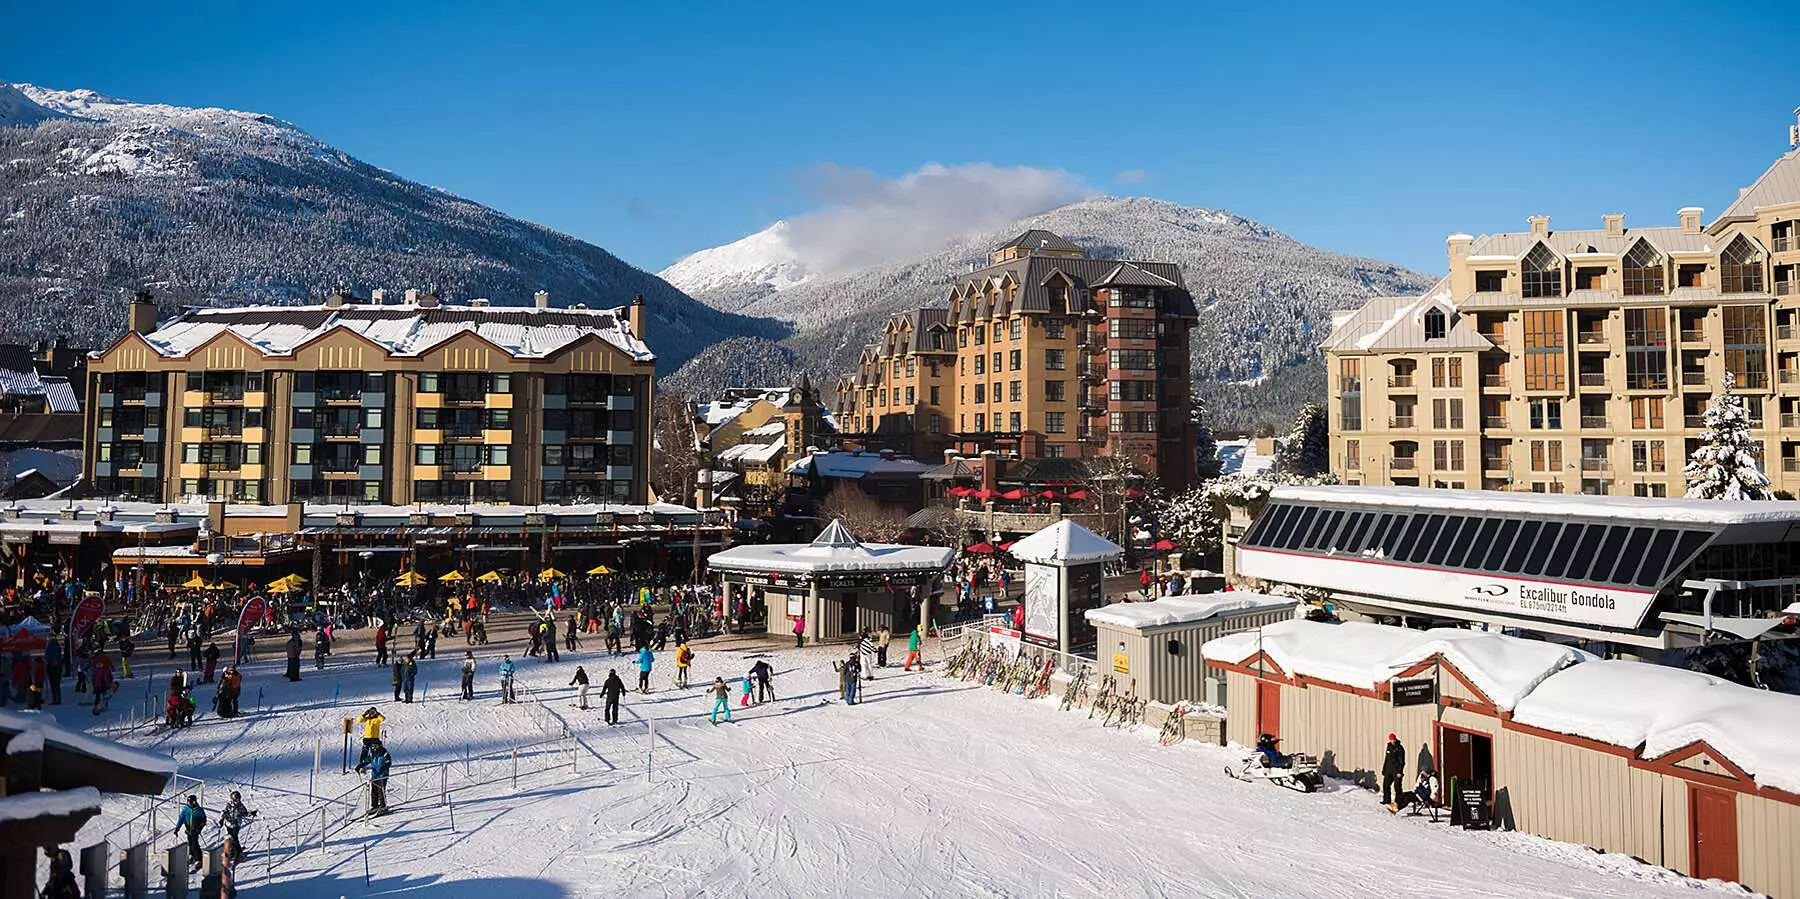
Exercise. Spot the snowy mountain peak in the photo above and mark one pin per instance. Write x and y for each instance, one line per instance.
(743, 271)
(19, 110)
(208, 121)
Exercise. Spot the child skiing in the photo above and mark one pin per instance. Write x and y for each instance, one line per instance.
(744, 700)
(721, 700)
(912, 648)
(684, 656)
(506, 678)
(581, 684)
(645, 660)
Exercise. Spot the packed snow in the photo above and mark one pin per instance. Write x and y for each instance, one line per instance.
(25, 806)
(928, 788)
(1171, 610)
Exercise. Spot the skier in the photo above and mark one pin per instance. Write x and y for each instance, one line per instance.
(191, 819)
(170, 634)
(912, 648)
(721, 695)
(293, 655)
(570, 643)
(211, 658)
(506, 678)
(549, 637)
(849, 678)
(231, 686)
(378, 764)
(468, 675)
(321, 649)
(581, 683)
(126, 647)
(408, 676)
(882, 639)
(537, 639)
(381, 644)
(645, 660)
(764, 673)
(611, 690)
(431, 638)
(744, 700)
(234, 817)
(1393, 769)
(371, 719)
(419, 638)
(865, 653)
(103, 680)
(399, 673)
(684, 656)
(193, 644)
(53, 660)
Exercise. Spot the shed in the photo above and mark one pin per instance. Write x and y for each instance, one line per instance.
(1063, 580)
(1157, 644)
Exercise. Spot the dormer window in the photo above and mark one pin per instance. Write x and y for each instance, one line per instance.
(1644, 271)
(1741, 268)
(1540, 274)
(1437, 324)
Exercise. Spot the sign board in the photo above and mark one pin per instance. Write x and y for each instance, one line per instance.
(1084, 593)
(1413, 691)
(349, 723)
(1470, 807)
(1476, 593)
(1121, 663)
(1043, 604)
(796, 606)
(86, 613)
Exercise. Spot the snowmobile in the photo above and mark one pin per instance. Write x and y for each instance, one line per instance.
(1267, 762)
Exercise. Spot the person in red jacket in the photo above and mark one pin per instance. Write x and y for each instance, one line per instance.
(103, 680)
(381, 647)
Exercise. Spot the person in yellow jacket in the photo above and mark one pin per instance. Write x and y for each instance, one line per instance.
(371, 720)
(684, 656)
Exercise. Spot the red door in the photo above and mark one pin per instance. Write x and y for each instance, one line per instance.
(1268, 708)
(1712, 830)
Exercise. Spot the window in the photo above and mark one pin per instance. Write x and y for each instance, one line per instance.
(1545, 351)
(1546, 455)
(1446, 371)
(996, 365)
(1648, 456)
(1540, 274)
(1056, 423)
(937, 423)
(373, 417)
(909, 396)
(1134, 360)
(1013, 422)
(1054, 360)
(1350, 394)
(1436, 324)
(1017, 328)
(1055, 328)
(1741, 268)
(980, 422)
(1747, 346)
(1353, 455)
(934, 396)
(1015, 391)
(1015, 360)
(429, 383)
(1546, 414)
(1132, 422)
(962, 336)
(1490, 281)
(1131, 328)
(1447, 414)
(1131, 391)
(1644, 271)
(981, 335)
(371, 454)
(980, 364)
(553, 454)
(303, 454)
(1646, 349)
(425, 454)
(980, 395)
(1646, 413)
(1056, 391)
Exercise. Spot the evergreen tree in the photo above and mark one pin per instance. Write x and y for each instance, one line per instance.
(1724, 466)
(1206, 449)
(1307, 450)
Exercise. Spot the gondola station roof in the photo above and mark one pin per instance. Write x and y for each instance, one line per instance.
(835, 550)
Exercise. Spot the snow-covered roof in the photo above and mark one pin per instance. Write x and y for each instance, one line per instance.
(853, 466)
(1662, 709)
(1241, 457)
(48, 804)
(1629, 508)
(1174, 610)
(1360, 654)
(834, 550)
(774, 428)
(404, 329)
(761, 453)
(1065, 542)
(58, 737)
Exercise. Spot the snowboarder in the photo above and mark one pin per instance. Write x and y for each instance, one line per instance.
(371, 720)
(882, 638)
(721, 695)
(684, 656)
(378, 764)
(191, 819)
(506, 678)
(1393, 768)
(293, 655)
(912, 648)
(581, 684)
(611, 690)
(645, 660)
(764, 673)
(234, 817)
(409, 675)
(468, 675)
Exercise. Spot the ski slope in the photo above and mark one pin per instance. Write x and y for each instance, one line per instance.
(928, 788)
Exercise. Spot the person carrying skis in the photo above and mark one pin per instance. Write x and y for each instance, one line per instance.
(645, 660)
(506, 678)
(912, 648)
(549, 635)
(409, 675)
(610, 691)
(468, 675)
(190, 821)
(580, 683)
(684, 656)
(721, 695)
(764, 673)
(1393, 769)
(234, 817)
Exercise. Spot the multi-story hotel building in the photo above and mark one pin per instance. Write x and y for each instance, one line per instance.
(1047, 352)
(1579, 361)
(374, 402)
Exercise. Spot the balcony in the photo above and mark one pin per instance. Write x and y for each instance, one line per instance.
(1401, 381)
(1693, 422)
(1788, 376)
(1593, 421)
(215, 465)
(1404, 463)
(340, 429)
(1790, 420)
(1400, 421)
(459, 398)
(1591, 338)
(1591, 379)
(1693, 379)
(1786, 288)
(225, 430)
(1497, 338)
(338, 466)
(228, 394)
(1493, 379)
(1784, 244)
(339, 394)
(1790, 464)
(129, 395)
(1494, 463)
(1694, 335)
(1589, 463)
(1493, 421)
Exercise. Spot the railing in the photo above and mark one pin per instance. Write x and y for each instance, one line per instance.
(222, 465)
(1404, 463)
(1693, 421)
(1493, 421)
(130, 396)
(1789, 376)
(234, 430)
(1790, 464)
(1790, 419)
(1589, 463)
(341, 429)
(1697, 335)
(225, 395)
(1400, 381)
(143, 826)
(338, 466)
(1786, 332)
(1593, 421)
(1693, 379)
(1494, 463)
(1400, 421)
(1784, 244)
(1590, 338)
(1493, 379)
(1592, 379)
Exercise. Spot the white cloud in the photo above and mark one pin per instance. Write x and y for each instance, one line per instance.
(866, 219)
(1133, 176)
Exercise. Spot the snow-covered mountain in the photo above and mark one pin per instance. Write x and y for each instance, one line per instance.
(100, 197)
(1266, 299)
(741, 272)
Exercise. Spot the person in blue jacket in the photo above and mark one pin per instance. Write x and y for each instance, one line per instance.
(378, 765)
(191, 820)
(645, 659)
(506, 678)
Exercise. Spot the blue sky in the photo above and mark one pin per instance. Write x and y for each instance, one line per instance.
(656, 129)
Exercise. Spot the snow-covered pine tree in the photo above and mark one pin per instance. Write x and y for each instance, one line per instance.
(1725, 464)
(1206, 451)
(1307, 450)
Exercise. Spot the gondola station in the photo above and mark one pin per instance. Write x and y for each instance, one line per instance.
(834, 586)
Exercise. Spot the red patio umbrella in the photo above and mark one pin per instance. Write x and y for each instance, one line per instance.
(1079, 494)
(1164, 545)
(1008, 544)
(1133, 493)
(1015, 493)
(1047, 494)
(959, 491)
(979, 548)
(985, 493)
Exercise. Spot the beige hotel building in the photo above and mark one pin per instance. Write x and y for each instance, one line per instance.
(1579, 361)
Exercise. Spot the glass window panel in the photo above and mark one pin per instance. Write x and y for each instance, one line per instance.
(1686, 546)
(1440, 548)
(1471, 542)
(1563, 551)
(1302, 524)
(1321, 531)
(1539, 552)
(1607, 556)
(1498, 546)
(1415, 548)
(1650, 572)
(1583, 559)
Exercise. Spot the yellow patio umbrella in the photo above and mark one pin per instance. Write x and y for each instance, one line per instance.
(410, 579)
(492, 577)
(600, 569)
(222, 585)
(195, 583)
(280, 587)
(550, 574)
(452, 577)
(292, 581)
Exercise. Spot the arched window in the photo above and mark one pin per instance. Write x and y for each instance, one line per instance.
(1540, 275)
(1643, 270)
(1436, 324)
(1741, 267)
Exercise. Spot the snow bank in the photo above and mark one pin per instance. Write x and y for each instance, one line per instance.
(1633, 704)
(85, 744)
(1359, 654)
(26, 806)
(1185, 609)
(28, 741)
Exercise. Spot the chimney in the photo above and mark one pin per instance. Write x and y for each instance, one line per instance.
(1615, 224)
(1459, 247)
(1794, 130)
(541, 299)
(412, 296)
(428, 300)
(339, 299)
(636, 316)
(378, 296)
(1540, 225)
(1690, 219)
(479, 301)
(140, 315)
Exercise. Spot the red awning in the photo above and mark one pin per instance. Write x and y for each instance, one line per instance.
(1014, 493)
(1164, 545)
(985, 493)
(979, 548)
(959, 491)
(1008, 544)
(1079, 494)
(1133, 493)
(1047, 494)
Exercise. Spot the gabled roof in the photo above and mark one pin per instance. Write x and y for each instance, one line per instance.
(1039, 239)
(1035, 272)
(1779, 185)
(1398, 323)
(1127, 275)
(1067, 543)
(1514, 245)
